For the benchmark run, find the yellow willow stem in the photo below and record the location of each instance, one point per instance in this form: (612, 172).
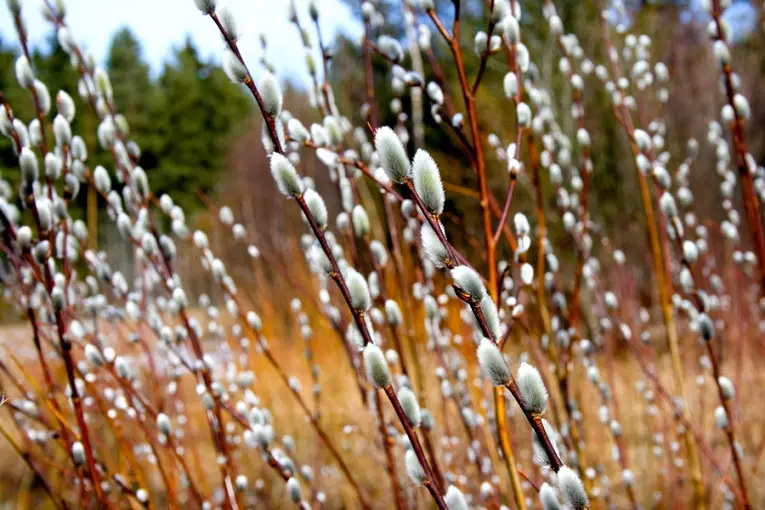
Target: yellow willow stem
(507, 448)
(674, 350)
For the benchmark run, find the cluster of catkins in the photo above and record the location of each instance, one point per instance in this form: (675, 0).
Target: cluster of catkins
(90, 318)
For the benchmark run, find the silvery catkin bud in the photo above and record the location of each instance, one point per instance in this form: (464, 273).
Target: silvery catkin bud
(492, 363)
(414, 468)
(52, 166)
(376, 366)
(43, 96)
(727, 388)
(228, 22)
(470, 282)
(411, 408)
(234, 68)
(432, 246)
(317, 207)
(78, 454)
(454, 499)
(532, 389)
(293, 490)
(435, 93)
(271, 93)
(261, 435)
(392, 313)
(572, 489)
(297, 130)
(24, 238)
(163, 424)
(62, 131)
(668, 205)
(379, 253)
(489, 310)
(510, 85)
(548, 498)
(427, 182)
(102, 180)
(65, 105)
(706, 327)
(24, 73)
(358, 290)
(523, 115)
(28, 164)
(287, 179)
(741, 104)
(392, 154)
(360, 220)
(206, 6)
(93, 355)
(721, 418)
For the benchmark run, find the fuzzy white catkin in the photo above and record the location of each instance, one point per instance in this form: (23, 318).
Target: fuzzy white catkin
(287, 179)
(24, 237)
(163, 424)
(28, 164)
(548, 498)
(393, 313)
(271, 93)
(293, 490)
(510, 84)
(206, 6)
(297, 130)
(392, 154)
(706, 327)
(668, 205)
(469, 281)
(427, 182)
(78, 453)
(572, 488)
(62, 131)
(527, 273)
(360, 221)
(358, 290)
(523, 115)
(228, 22)
(379, 253)
(234, 68)
(411, 408)
(43, 96)
(65, 105)
(435, 93)
(454, 499)
(492, 363)
(93, 355)
(102, 180)
(414, 468)
(24, 73)
(521, 223)
(432, 246)
(489, 310)
(721, 418)
(376, 366)
(728, 390)
(317, 207)
(532, 389)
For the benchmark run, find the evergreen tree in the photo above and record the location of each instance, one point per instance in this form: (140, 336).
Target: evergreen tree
(193, 114)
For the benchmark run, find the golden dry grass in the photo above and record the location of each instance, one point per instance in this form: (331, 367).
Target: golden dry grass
(354, 430)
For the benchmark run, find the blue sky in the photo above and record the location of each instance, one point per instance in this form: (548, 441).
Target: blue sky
(162, 24)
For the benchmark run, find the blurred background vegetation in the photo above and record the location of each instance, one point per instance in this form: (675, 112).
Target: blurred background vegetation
(198, 132)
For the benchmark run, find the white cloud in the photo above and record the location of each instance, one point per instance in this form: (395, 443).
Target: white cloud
(161, 25)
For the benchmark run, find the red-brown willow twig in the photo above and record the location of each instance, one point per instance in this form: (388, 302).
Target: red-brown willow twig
(745, 177)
